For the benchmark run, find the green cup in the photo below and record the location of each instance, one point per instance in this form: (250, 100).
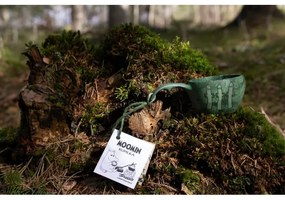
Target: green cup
(212, 94)
(217, 94)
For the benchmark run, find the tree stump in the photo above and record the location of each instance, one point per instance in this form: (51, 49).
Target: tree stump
(42, 122)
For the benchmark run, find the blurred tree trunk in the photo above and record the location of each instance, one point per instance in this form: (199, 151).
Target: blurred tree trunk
(151, 15)
(4, 15)
(78, 17)
(26, 16)
(118, 14)
(256, 15)
(168, 15)
(135, 13)
(144, 14)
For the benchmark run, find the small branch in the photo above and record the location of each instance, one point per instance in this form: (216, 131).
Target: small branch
(274, 125)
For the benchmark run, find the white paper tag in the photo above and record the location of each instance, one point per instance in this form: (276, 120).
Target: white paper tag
(141, 179)
(125, 160)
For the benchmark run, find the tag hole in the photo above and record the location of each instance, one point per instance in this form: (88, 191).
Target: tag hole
(118, 137)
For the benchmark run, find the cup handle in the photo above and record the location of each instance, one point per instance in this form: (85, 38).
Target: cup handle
(152, 96)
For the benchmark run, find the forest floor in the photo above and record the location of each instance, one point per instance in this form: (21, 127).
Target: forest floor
(258, 54)
(13, 77)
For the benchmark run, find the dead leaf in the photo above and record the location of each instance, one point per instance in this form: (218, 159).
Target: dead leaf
(83, 138)
(145, 122)
(68, 185)
(46, 60)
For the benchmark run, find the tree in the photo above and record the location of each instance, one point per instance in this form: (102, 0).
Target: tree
(118, 14)
(78, 17)
(256, 15)
(135, 14)
(4, 15)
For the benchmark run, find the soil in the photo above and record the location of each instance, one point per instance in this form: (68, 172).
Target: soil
(10, 86)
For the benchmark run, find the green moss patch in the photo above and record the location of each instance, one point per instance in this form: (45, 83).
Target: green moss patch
(242, 152)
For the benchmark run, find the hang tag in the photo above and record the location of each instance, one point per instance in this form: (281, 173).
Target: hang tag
(125, 160)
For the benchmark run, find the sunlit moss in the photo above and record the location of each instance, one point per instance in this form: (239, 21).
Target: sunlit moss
(130, 46)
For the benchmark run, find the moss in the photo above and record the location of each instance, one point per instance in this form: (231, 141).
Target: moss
(240, 184)
(142, 56)
(146, 61)
(122, 93)
(72, 64)
(93, 116)
(260, 135)
(128, 90)
(13, 181)
(180, 55)
(126, 43)
(65, 43)
(234, 148)
(191, 180)
(38, 188)
(136, 46)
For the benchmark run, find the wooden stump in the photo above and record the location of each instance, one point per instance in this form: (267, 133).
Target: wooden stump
(42, 122)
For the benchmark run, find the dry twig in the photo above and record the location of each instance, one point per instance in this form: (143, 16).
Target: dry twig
(274, 125)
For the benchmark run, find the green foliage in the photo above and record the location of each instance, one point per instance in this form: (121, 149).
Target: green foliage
(67, 43)
(182, 56)
(94, 112)
(123, 92)
(240, 184)
(191, 179)
(125, 43)
(148, 61)
(94, 115)
(70, 52)
(88, 75)
(13, 181)
(260, 135)
(136, 46)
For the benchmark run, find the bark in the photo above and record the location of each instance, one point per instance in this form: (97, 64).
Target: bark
(78, 17)
(117, 15)
(4, 16)
(135, 13)
(144, 14)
